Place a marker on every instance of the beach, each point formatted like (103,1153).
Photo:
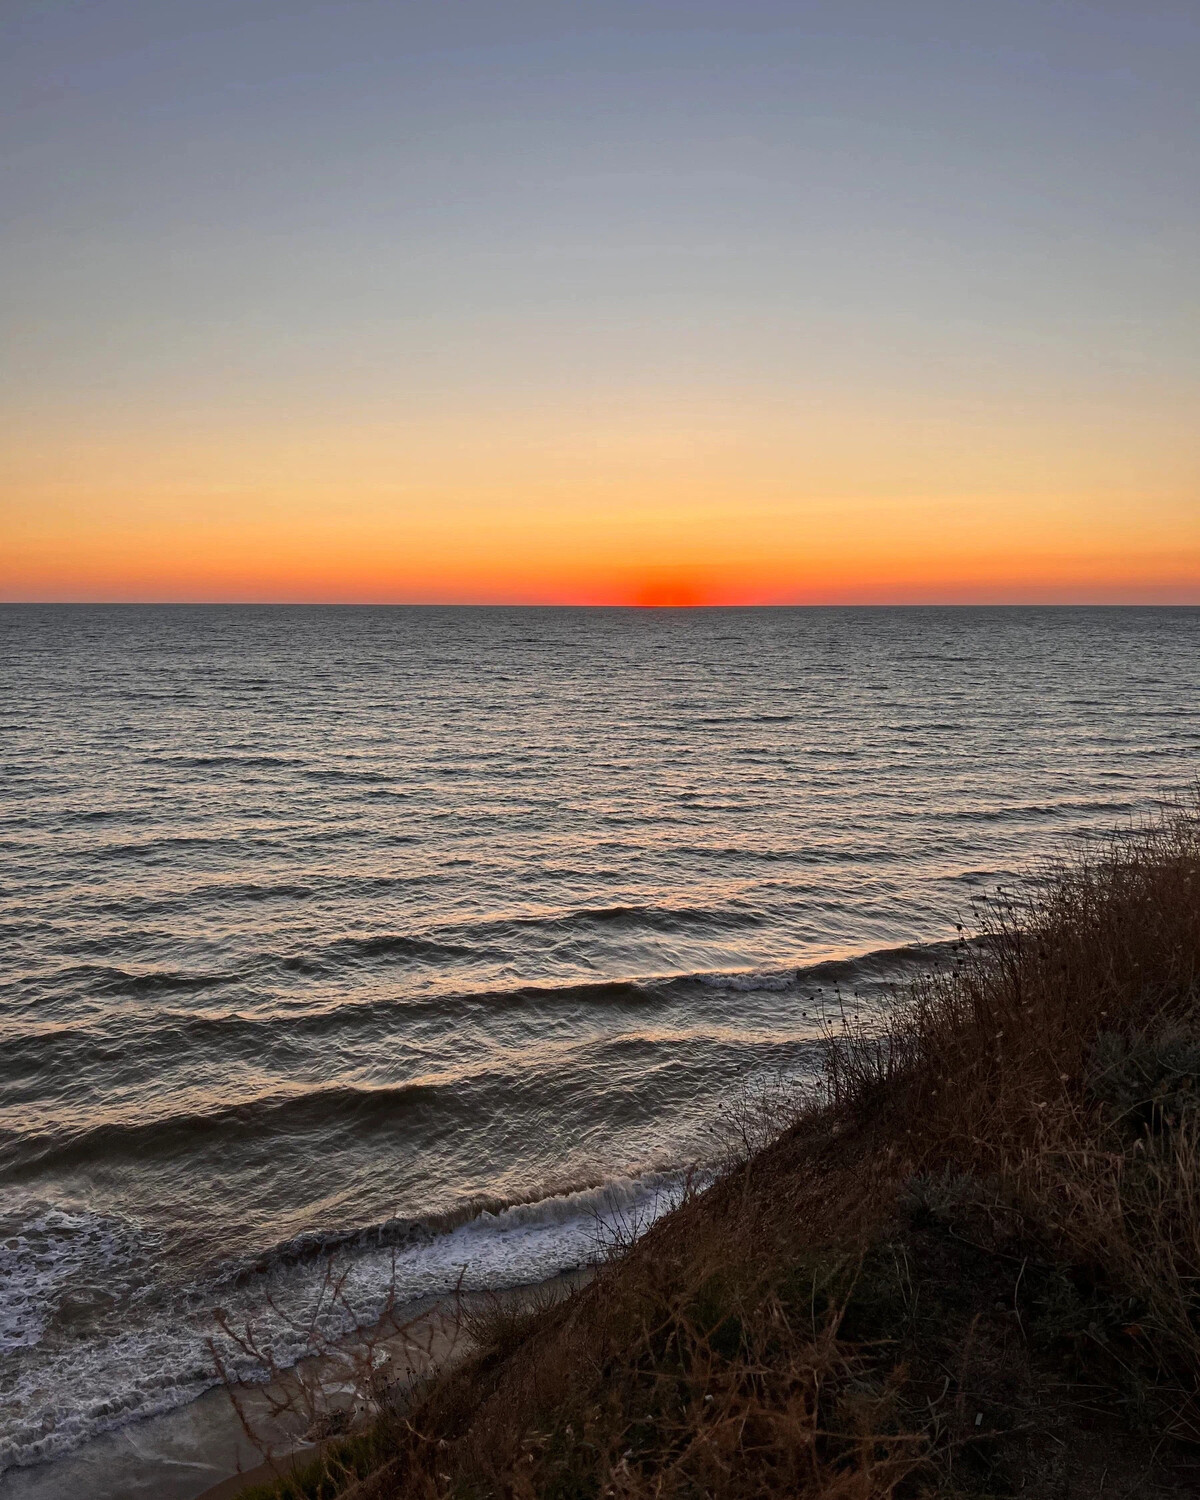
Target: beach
(212,1448)
(446,945)
(967,1269)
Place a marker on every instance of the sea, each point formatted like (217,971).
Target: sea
(443,945)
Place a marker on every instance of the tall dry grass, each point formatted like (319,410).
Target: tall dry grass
(973,1269)
(1058,1062)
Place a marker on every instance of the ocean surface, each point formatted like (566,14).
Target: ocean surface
(438,938)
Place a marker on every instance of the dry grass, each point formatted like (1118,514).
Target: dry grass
(1058,1062)
(973,1270)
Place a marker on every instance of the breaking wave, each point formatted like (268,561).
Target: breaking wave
(161,1357)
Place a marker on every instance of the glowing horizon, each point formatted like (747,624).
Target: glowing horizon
(711,506)
(534,304)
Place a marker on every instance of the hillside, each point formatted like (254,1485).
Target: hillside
(970,1270)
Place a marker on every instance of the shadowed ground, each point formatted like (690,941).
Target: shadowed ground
(971,1271)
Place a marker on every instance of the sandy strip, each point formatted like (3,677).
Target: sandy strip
(202,1452)
(432,1340)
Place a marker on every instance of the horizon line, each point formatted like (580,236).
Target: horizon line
(629,605)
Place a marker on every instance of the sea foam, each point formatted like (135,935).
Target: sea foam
(63,1392)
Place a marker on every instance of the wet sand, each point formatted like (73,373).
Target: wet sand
(202,1451)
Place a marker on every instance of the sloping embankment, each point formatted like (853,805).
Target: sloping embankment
(975,1270)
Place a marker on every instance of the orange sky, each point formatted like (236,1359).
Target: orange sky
(645,501)
(600,303)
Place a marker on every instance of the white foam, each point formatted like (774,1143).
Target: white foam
(58,1396)
(772,981)
(43,1252)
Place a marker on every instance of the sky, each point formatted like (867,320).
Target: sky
(576,302)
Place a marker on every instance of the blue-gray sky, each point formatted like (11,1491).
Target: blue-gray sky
(592,279)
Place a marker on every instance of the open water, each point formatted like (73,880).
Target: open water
(436,938)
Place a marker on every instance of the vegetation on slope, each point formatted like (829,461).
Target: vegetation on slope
(972,1270)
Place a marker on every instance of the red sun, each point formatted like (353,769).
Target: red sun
(669,592)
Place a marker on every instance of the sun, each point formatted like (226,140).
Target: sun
(669,591)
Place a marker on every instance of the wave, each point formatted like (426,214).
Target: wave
(238,762)
(1064,808)
(105,979)
(484,938)
(247,890)
(387,945)
(340,1113)
(412,1115)
(609,1204)
(343,1104)
(160,1357)
(238,1033)
(335,774)
(450,941)
(655,918)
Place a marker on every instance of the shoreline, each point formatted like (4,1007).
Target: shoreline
(176,1426)
(424,1345)
(968,1268)
(201,1451)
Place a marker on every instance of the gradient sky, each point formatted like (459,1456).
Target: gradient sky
(600,302)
